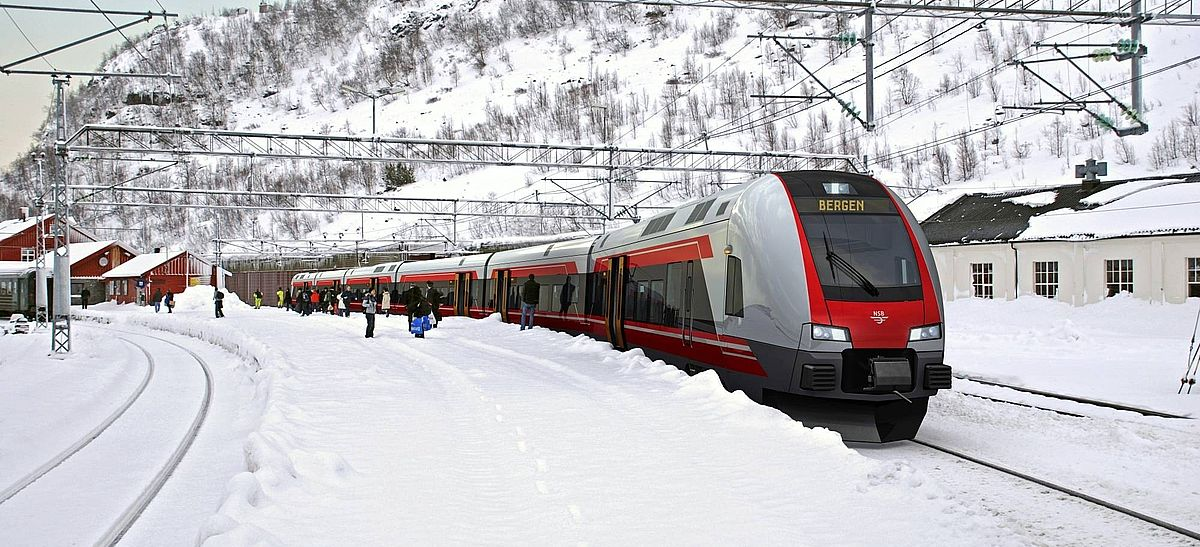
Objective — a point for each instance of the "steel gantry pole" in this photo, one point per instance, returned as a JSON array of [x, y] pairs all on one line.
[[39, 201], [1135, 64], [869, 46], [60, 339]]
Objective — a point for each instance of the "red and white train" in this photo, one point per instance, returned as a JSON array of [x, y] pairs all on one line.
[[812, 291]]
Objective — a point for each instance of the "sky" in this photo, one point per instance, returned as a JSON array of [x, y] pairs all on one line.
[[24, 99]]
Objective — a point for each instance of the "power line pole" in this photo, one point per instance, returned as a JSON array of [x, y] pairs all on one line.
[[60, 339], [869, 46], [40, 315], [1135, 64]]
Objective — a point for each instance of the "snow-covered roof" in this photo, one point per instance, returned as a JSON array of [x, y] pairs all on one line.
[[13, 267], [1154, 206], [139, 265], [12, 227]]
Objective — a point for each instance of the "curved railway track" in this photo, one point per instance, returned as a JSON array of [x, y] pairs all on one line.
[[87, 439], [1063, 489], [129, 516]]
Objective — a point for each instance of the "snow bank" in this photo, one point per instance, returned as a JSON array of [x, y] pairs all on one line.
[[483, 434], [1121, 349]]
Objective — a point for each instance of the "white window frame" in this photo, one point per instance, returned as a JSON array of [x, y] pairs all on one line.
[[28, 254], [983, 280], [1045, 278], [1118, 276], [1193, 277]]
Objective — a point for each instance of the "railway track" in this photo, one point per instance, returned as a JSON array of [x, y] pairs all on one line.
[[1071, 398], [87, 439], [1063, 489], [134, 510]]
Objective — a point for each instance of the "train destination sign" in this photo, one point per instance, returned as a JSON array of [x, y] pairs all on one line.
[[844, 205]]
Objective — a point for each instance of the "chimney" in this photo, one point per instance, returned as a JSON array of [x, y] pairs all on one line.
[[24, 213], [157, 250]]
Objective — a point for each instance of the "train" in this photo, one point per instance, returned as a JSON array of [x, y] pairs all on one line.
[[813, 292], [18, 281]]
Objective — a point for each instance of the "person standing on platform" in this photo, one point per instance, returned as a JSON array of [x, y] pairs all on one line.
[[169, 301], [434, 297], [368, 303], [279, 297], [84, 297], [156, 299], [258, 296], [530, 293], [219, 303], [385, 300], [314, 298], [566, 296]]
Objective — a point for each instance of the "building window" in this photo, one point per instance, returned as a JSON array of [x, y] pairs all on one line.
[[982, 284], [1045, 279], [1193, 278], [27, 254], [1118, 276]]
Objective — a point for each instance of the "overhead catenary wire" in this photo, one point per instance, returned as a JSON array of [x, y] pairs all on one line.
[[27, 40]]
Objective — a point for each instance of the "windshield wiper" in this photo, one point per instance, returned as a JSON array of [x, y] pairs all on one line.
[[837, 261]]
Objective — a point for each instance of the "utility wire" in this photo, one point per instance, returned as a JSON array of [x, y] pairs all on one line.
[[27, 40], [122, 33]]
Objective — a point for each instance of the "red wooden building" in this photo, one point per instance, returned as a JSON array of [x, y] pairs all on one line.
[[18, 238], [166, 271], [89, 262]]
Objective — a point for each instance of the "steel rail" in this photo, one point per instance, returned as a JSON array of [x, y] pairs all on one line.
[[1075, 399], [118, 530], [87, 439], [1065, 490]]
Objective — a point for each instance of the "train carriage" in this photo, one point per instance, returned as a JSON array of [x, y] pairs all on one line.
[[17, 283], [460, 280], [561, 268], [381, 277]]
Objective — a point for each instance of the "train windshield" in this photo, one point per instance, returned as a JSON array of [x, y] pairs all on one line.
[[859, 242]]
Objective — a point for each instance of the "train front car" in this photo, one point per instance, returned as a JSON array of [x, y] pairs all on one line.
[[833, 286]]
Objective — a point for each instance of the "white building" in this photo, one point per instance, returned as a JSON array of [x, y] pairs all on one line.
[[1076, 243]]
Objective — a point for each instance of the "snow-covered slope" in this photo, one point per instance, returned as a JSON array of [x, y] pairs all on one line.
[[533, 70]]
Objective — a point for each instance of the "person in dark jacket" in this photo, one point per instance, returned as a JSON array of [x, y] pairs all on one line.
[[287, 300], [529, 301], [368, 303], [419, 312], [411, 296], [219, 303], [564, 298], [346, 297], [84, 296], [434, 297], [169, 301], [156, 299]]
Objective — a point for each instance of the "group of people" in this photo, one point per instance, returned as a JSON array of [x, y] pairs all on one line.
[[158, 300], [418, 304]]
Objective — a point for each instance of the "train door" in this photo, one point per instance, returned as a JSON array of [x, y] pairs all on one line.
[[462, 294], [614, 311], [503, 279], [686, 333]]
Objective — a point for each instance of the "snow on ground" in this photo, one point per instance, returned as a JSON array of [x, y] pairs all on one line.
[[482, 434], [47, 405], [1122, 349]]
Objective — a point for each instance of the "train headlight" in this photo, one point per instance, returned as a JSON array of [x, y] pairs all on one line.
[[827, 332], [928, 332]]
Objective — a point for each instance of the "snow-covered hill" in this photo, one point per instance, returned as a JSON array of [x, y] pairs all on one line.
[[563, 71]]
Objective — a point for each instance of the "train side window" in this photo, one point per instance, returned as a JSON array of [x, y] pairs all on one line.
[[733, 287]]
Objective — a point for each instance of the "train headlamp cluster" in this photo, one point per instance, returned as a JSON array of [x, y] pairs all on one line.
[[831, 333], [927, 332]]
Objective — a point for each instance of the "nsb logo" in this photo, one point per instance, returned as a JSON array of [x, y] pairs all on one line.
[[878, 317]]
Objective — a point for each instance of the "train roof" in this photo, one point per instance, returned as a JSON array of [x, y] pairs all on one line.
[[14, 268], [454, 263], [387, 268], [698, 211], [559, 249], [330, 274]]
